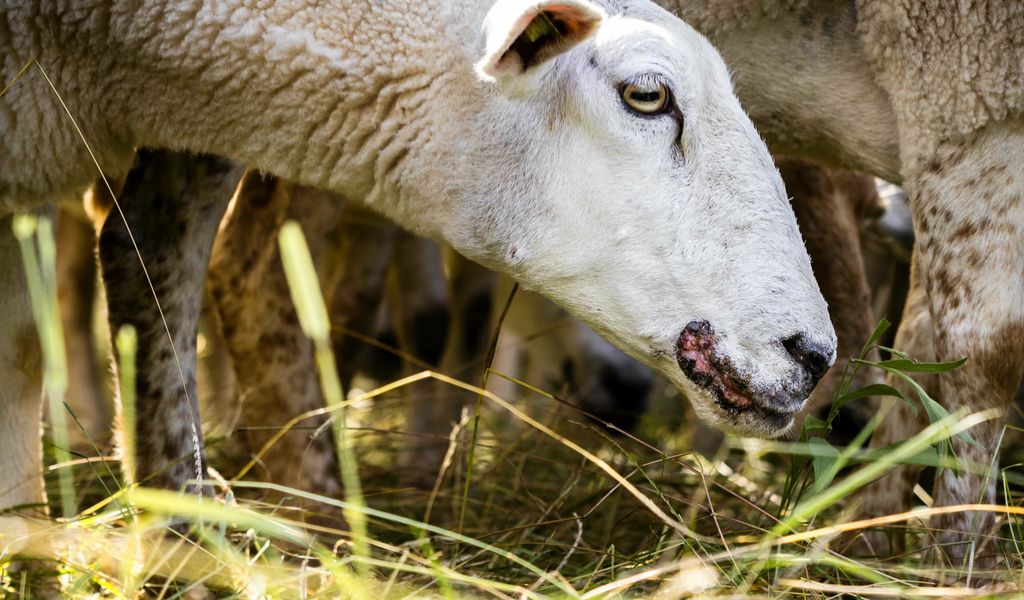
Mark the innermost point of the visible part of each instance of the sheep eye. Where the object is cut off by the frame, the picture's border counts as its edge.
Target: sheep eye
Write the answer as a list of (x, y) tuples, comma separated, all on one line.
[(647, 98)]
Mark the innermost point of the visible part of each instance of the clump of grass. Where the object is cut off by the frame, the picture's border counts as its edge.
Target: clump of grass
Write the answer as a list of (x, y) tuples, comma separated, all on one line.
[(552, 505)]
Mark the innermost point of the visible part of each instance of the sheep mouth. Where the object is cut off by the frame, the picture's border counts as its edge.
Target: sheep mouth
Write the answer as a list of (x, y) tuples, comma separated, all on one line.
[(697, 357)]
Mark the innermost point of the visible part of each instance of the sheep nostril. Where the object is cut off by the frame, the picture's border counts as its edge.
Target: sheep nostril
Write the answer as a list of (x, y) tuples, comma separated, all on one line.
[(814, 358)]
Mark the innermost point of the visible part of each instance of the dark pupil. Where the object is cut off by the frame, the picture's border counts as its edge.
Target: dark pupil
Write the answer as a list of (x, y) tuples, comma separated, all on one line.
[(645, 96)]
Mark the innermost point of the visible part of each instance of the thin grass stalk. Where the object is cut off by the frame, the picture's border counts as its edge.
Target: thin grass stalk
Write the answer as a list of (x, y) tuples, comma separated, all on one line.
[(417, 526), (21, 73), (1015, 526), (312, 313), (38, 253), (126, 343)]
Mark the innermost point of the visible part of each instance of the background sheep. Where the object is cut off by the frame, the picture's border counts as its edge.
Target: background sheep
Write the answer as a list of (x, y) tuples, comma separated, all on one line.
[(832, 81)]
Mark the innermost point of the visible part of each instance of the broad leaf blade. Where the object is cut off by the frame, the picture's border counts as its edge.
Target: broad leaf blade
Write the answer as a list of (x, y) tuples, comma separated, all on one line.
[(880, 330), (912, 366)]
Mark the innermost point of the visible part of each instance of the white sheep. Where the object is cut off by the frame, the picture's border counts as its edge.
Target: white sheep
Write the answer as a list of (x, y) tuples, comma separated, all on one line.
[(594, 152), (930, 94)]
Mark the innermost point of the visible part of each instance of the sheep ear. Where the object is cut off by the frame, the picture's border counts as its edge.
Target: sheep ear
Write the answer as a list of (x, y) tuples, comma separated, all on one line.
[(521, 35)]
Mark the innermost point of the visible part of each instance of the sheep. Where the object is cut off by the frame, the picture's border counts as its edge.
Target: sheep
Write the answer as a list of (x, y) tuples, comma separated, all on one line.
[(930, 95), (614, 119), (803, 76), (961, 147)]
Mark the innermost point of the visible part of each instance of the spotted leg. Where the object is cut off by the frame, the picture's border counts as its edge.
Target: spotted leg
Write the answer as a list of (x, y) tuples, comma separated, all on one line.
[(273, 359), (893, 492), (172, 204), (968, 205)]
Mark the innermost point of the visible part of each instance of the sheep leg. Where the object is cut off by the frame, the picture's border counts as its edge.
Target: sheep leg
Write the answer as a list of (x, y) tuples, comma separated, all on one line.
[(172, 204), (76, 293), (472, 291), (273, 359), (969, 221), (20, 395), (216, 374), (354, 269), (893, 492), (418, 299)]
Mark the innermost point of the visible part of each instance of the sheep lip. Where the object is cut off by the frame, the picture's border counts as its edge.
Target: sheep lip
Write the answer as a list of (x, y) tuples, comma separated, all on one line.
[(696, 356), (728, 393)]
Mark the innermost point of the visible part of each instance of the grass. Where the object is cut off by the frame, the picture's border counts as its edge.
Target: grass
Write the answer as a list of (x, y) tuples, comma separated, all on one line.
[(547, 504), (551, 506)]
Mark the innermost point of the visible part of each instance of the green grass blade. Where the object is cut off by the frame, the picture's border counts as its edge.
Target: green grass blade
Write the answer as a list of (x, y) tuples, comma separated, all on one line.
[(35, 239), (312, 313)]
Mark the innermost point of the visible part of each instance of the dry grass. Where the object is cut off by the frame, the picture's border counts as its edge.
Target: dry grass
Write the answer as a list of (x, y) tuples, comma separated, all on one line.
[(541, 521)]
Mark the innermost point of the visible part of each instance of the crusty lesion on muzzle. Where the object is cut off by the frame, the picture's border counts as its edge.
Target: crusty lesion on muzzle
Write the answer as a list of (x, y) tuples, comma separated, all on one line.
[(697, 357), (746, 405)]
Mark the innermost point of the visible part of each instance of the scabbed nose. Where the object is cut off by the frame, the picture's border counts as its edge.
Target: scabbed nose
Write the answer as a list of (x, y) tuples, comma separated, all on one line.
[(813, 357)]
